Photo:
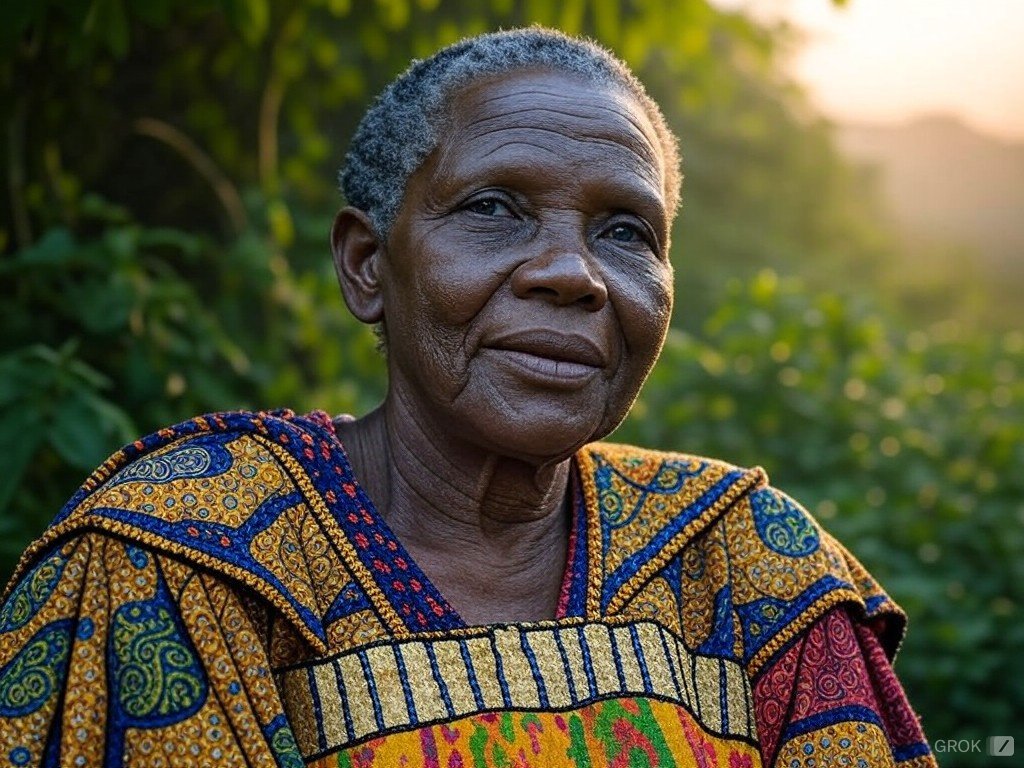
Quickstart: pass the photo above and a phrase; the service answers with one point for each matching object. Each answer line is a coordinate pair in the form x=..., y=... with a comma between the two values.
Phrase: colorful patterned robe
x=224, y=593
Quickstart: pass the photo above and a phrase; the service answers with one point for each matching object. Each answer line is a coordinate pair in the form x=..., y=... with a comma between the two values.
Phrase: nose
x=563, y=276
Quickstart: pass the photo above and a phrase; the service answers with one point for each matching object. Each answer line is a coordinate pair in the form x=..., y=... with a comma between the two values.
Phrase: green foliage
x=905, y=445
x=169, y=186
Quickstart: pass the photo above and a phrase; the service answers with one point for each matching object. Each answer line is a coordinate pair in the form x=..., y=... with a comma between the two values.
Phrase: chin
x=540, y=439
x=532, y=424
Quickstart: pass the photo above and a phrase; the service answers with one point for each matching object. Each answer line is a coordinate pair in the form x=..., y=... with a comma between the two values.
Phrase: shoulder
x=239, y=494
x=786, y=571
x=662, y=484
x=745, y=565
x=217, y=467
x=646, y=506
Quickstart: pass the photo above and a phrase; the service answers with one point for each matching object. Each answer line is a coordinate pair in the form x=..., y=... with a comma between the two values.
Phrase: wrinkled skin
x=526, y=291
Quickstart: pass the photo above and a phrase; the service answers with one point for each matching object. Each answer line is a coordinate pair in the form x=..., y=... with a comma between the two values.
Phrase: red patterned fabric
x=835, y=674
x=901, y=722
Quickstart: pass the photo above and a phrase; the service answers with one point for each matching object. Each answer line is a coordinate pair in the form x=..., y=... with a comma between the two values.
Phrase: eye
x=624, y=233
x=631, y=233
x=489, y=206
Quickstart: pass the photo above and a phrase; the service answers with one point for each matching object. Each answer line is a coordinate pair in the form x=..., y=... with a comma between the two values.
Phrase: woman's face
x=527, y=288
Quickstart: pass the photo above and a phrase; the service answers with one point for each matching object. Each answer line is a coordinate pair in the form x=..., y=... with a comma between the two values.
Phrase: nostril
x=540, y=290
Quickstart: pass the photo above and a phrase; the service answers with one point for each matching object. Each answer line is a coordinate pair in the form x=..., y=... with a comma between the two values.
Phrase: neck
x=490, y=531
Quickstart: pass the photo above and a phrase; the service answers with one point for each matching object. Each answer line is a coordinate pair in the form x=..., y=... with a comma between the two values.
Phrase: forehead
x=551, y=116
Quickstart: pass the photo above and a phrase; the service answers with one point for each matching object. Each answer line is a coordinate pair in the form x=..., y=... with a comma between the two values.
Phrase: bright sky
x=889, y=60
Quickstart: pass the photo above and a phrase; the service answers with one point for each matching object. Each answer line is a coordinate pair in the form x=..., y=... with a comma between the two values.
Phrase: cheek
x=645, y=309
x=453, y=300
x=458, y=277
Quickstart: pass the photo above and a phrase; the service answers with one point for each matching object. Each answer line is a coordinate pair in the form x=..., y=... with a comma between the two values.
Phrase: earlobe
x=357, y=254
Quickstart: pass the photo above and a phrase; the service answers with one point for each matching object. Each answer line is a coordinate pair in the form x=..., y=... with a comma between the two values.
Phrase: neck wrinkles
x=443, y=491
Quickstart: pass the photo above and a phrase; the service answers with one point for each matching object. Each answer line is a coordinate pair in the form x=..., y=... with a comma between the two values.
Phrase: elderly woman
x=462, y=577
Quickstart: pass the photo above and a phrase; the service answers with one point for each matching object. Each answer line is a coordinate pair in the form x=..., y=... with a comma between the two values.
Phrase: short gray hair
x=403, y=125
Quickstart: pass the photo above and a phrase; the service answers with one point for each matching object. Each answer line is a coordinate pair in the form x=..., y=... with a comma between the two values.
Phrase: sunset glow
x=891, y=60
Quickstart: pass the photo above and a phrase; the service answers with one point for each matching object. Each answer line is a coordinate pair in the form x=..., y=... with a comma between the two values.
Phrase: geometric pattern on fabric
x=339, y=702
x=650, y=504
x=743, y=567
x=259, y=498
x=195, y=599
x=762, y=574
x=224, y=496
x=832, y=694
x=640, y=520
x=857, y=744
x=635, y=732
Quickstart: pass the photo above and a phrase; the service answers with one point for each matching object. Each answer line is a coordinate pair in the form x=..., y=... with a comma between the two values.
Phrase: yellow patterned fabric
x=562, y=667
x=224, y=593
x=646, y=732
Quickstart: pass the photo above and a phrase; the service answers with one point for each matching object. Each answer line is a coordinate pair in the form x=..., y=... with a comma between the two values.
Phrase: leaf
x=121, y=243
x=78, y=432
x=108, y=22
x=54, y=248
x=250, y=18
x=20, y=436
x=105, y=306
x=117, y=422
x=18, y=376
x=95, y=206
x=186, y=243
x=87, y=374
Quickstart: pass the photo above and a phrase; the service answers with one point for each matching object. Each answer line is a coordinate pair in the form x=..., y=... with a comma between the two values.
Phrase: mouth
x=551, y=355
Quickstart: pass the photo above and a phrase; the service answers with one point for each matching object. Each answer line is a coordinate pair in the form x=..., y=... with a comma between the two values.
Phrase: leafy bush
x=905, y=443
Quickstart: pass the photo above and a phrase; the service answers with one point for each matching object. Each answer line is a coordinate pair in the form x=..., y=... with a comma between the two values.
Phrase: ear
x=357, y=254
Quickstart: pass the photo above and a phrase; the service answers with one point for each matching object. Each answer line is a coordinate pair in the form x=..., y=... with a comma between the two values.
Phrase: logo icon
x=1000, y=746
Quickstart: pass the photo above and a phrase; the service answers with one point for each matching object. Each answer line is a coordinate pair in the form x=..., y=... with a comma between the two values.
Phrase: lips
x=554, y=358
x=552, y=345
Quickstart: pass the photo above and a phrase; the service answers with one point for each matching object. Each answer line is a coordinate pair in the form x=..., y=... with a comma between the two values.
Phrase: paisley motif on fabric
x=234, y=500
x=196, y=458
x=621, y=503
x=29, y=596
x=156, y=677
x=782, y=526
x=763, y=572
x=36, y=672
x=282, y=744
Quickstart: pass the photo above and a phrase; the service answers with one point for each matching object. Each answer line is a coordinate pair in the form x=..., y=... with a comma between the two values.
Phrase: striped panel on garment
x=341, y=701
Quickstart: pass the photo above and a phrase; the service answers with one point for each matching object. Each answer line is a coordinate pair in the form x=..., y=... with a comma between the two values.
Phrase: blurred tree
x=169, y=186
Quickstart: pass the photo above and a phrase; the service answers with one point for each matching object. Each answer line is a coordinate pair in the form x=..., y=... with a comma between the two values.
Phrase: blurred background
x=848, y=261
